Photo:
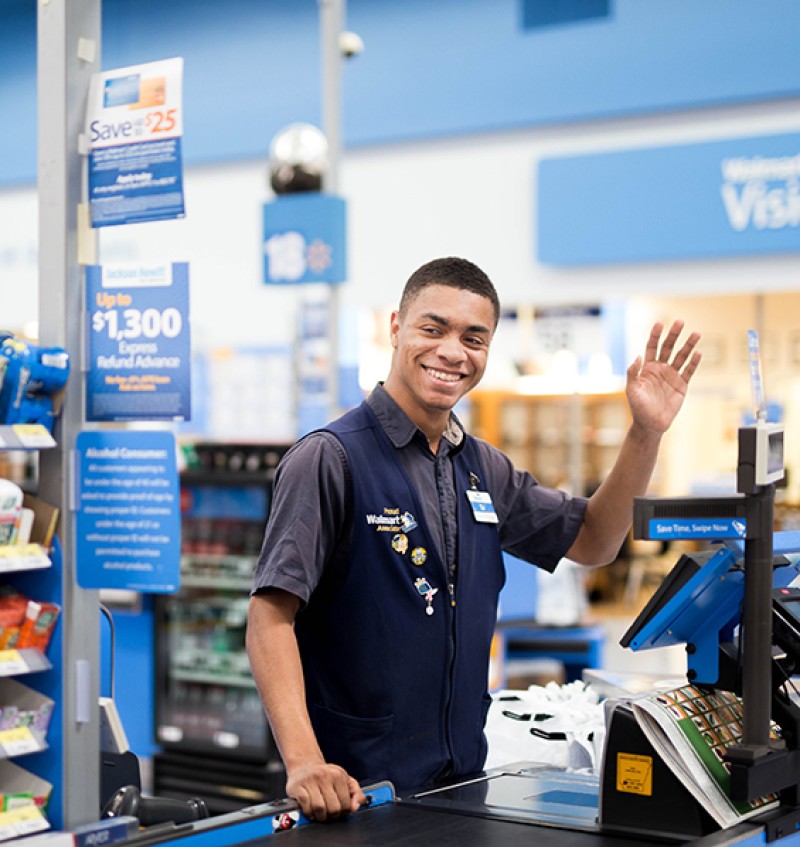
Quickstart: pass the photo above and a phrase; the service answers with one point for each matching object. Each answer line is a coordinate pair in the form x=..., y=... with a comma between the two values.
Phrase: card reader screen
x=792, y=609
x=775, y=453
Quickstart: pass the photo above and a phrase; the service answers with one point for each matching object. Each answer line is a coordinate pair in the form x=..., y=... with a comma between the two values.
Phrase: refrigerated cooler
x=210, y=726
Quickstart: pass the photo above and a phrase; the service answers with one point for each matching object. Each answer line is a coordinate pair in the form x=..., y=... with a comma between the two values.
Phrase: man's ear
x=394, y=328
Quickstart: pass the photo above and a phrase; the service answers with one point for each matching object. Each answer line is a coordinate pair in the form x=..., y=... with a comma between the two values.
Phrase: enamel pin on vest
x=426, y=590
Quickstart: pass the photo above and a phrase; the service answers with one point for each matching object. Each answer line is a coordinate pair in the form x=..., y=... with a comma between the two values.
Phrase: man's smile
x=443, y=375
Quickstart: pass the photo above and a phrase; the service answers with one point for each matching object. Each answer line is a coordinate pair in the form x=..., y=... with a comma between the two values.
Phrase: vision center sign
x=727, y=198
x=762, y=193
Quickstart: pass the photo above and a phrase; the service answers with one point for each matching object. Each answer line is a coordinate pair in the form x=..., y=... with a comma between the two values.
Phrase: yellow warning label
x=635, y=774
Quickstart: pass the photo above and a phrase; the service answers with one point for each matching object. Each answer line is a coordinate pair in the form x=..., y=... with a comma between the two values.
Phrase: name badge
x=482, y=506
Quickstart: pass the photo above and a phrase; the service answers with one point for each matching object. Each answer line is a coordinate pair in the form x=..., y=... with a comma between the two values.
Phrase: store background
x=446, y=116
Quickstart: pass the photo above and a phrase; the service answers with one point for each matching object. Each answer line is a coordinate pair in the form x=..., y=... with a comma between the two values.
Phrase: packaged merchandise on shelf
x=13, y=606
x=37, y=629
x=21, y=706
x=45, y=520
x=26, y=539
x=32, y=381
x=25, y=623
x=11, y=497
x=19, y=787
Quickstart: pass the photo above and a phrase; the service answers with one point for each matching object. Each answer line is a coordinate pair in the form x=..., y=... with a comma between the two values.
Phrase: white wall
x=407, y=203
x=18, y=257
x=475, y=197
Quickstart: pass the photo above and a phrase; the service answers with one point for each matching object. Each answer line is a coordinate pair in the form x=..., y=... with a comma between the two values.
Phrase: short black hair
x=454, y=273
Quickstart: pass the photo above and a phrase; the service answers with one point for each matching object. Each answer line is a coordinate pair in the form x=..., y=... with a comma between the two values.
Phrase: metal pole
x=68, y=52
x=757, y=620
x=332, y=17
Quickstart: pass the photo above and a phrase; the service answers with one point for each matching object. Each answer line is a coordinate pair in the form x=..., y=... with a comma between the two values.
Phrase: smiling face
x=441, y=345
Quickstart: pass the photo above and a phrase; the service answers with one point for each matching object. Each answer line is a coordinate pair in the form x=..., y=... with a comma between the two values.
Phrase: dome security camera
x=350, y=44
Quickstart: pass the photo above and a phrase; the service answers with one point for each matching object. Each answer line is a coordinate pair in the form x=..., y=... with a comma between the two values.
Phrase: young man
x=375, y=596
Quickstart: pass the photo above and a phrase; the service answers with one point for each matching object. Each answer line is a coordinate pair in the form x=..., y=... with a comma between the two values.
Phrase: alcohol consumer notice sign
x=134, y=125
x=139, y=342
x=128, y=517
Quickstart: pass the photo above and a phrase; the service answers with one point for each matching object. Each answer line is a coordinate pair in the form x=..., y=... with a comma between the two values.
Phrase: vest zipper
x=451, y=589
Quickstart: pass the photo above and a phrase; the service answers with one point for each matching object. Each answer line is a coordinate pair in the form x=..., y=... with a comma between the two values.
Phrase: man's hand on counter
x=324, y=792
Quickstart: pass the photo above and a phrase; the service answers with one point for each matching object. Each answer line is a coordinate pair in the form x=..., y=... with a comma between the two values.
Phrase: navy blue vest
x=395, y=692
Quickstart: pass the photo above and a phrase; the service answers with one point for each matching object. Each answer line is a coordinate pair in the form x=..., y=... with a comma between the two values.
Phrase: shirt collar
x=399, y=427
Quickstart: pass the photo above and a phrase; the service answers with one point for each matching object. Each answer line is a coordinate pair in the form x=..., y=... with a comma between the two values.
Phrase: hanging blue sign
x=128, y=525
x=727, y=198
x=139, y=343
x=305, y=239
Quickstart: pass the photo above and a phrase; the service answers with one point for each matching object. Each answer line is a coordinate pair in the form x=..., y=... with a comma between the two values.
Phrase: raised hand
x=657, y=385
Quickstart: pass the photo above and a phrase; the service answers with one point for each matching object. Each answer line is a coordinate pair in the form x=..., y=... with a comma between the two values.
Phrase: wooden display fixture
x=565, y=440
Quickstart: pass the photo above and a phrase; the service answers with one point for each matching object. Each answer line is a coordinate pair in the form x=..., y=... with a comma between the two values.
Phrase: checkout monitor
x=687, y=566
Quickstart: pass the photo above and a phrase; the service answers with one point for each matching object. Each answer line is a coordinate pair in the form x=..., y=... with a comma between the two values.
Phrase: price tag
x=33, y=436
x=17, y=741
x=22, y=821
x=11, y=662
x=19, y=557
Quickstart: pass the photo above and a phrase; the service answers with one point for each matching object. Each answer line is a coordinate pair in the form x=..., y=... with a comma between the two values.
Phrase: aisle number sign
x=134, y=125
x=128, y=517
x=305, y=239
x=139, y=342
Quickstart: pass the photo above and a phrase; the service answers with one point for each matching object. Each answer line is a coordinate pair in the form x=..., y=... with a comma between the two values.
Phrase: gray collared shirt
x=309, y=514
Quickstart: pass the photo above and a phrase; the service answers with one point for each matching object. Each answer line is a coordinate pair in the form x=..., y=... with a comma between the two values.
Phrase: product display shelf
x=208, y=570
x=22, y=740
x=208, y=710
x=565, y=440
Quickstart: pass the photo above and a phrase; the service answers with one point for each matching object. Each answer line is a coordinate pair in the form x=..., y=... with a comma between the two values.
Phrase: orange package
x=36, y=630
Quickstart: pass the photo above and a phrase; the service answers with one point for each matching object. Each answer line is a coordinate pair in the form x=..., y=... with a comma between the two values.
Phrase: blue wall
x=134, y=674
x=429, y=69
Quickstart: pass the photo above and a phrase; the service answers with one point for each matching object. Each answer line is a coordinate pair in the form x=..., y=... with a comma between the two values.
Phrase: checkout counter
x=522, y=804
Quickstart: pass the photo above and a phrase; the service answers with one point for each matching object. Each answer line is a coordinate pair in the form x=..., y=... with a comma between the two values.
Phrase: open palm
x=657, y=384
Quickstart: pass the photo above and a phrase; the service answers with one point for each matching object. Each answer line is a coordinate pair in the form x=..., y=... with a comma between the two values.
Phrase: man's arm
x=323, y=790
x=656, y=387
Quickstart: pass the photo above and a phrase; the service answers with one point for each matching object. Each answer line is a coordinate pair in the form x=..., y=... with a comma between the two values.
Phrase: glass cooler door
x=206, y=699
